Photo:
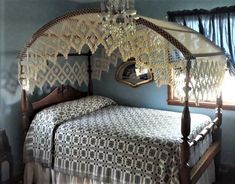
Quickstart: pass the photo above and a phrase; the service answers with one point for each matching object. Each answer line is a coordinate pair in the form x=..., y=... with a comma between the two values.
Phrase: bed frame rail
x=204, y=162
x=202, y=134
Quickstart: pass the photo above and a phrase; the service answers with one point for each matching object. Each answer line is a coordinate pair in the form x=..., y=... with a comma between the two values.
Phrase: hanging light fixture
x=119, y=18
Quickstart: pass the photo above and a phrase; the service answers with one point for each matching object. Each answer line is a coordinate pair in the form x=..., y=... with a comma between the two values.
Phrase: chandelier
x=119, y=18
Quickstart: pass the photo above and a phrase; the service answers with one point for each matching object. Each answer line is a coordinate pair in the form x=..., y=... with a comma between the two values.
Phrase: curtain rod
x=218, y=10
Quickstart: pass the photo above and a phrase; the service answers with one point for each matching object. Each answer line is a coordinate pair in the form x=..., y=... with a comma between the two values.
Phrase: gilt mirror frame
x=126, y=74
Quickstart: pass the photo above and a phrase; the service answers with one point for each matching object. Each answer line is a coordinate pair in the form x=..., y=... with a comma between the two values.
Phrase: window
x=228, y=89
x=218, y=25
x=228, y=95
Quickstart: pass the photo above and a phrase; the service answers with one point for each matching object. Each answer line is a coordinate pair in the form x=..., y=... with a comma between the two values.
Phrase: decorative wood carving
x=58, y=95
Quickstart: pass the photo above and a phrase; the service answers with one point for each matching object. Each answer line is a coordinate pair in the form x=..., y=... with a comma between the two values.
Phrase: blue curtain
x=217, y=24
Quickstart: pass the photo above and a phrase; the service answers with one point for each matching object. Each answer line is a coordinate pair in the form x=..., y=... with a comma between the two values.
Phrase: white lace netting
x=206, y=78
x=150, y=50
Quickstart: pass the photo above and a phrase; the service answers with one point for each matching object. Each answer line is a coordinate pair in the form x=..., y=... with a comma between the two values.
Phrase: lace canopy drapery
x=163, y=47
x=216, y=24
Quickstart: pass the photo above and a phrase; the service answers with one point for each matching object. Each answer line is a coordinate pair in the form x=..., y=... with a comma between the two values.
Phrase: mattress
x=97, y=139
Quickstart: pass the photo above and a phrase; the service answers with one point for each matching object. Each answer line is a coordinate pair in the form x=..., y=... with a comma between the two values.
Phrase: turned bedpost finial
x=185, y=131
x=89, y=70
x=25, y=111
x=218, y=112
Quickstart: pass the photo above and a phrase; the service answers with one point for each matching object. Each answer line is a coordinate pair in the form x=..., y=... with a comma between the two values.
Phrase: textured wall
x=20, y=18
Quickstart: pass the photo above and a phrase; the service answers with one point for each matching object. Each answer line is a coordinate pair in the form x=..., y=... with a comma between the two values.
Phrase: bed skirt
x=36, y=173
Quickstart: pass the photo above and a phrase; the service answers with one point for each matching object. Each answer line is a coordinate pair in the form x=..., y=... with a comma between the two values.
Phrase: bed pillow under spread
x=62, y=112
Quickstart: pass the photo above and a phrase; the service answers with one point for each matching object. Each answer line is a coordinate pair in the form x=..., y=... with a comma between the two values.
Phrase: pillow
x=65, y=111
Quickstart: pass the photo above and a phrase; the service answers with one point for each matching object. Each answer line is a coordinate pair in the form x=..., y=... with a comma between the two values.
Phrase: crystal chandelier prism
x=119, y=18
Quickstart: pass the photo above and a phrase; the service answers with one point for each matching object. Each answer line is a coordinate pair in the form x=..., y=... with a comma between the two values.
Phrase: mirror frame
x=120, y=71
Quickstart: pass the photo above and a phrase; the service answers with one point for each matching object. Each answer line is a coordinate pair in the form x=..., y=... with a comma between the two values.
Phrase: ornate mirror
x=128, y=74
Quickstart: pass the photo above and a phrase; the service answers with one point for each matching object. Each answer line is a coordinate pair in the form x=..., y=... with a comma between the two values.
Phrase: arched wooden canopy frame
x=40, y=32
x=187, y=174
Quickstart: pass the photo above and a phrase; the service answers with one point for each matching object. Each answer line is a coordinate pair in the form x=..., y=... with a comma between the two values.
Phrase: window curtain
x=217, y=24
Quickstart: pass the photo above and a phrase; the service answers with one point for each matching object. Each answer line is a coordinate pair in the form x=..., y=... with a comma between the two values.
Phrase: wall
x=20, y=18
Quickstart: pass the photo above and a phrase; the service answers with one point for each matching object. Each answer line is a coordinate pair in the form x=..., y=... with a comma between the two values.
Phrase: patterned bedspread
x=93, y=137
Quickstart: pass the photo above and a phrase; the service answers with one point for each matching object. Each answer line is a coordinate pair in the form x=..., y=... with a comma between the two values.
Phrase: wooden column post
x=218, y=112
x=25, y=111
x=5, y=154
x=217, y=134
x=89, y=70
x=185, y=131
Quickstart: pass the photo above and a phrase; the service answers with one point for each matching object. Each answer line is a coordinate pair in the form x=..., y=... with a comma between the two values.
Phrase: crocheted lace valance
x=66, y=71
x=154, y=50
x=206, y=77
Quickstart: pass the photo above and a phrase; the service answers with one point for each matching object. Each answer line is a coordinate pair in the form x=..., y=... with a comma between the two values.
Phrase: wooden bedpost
x=218, y=112
x=217, y=134
x=185, y=131
x=25, y=111
x=89, y=70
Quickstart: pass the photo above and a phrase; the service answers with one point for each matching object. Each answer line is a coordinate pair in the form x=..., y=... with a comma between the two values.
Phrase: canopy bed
x=110, y=148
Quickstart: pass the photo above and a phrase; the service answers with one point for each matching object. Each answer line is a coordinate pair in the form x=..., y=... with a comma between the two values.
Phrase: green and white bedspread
x=95, y=138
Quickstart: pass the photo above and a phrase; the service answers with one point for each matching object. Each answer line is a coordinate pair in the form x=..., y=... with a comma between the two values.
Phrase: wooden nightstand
x=5, y=154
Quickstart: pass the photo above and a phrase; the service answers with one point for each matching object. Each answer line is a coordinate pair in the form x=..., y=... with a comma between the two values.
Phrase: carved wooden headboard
x=57, y=95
